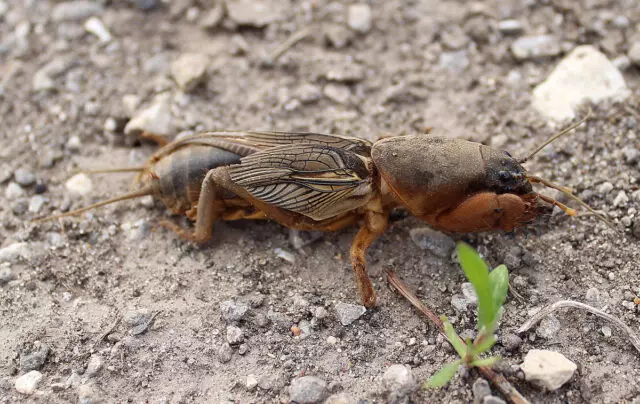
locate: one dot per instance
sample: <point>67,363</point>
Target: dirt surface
<point>65,97</point>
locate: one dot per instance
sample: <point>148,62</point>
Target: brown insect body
<point>311,181</point>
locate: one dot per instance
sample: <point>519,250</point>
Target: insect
<point>310,181</point>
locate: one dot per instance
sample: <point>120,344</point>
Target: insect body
<point>311,181</point>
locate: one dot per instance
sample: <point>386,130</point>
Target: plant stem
<point>500,383</point>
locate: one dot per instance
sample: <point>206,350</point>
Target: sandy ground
<point>65,97</point>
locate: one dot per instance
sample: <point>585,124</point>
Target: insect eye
<point>504,176</point>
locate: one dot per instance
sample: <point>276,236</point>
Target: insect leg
<point>375,224</point>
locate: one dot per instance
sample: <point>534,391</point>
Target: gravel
<point>481,389</point>
<point>547,369</point>
<point>233,311</point>
<point>438,243</point>
<point>360,18</point>
<point>24,177</point>
<point>94,366</point>
<point>156,119</point>
<point>79,185</point>
<point>535,47</point>
<point>14,191</point>
<point>34,360</point>
<point>348,313</point>
<point>6,274</point>
<point>234,335</point>
<point>634,53</point>
<point>76,10</point>
<point>190,70</point>
<point>584,75</point>
<point>548,327</point>
<point>28,382</point>
<point>398,378</point>
<point>308,390</point>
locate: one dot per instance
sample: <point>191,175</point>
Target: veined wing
<point>314,180</point>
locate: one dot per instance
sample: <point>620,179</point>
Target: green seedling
<point>491,289</point>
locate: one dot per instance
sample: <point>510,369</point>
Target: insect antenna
<point>567,192</point>
<point>137,194</point>
<point>111,170</point>
<point>555,137</point>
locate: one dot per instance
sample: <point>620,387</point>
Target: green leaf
<point>499,280</point>
<point>484,345</point>
<point>453,338</point>
<point>477,273</point>
<point>490,361</point>
<point>443,376</point>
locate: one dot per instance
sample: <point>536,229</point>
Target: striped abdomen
<point>181,173</point>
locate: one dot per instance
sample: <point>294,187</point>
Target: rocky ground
<point>107,307</point>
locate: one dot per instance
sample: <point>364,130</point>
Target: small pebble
<point>348,313</point>
<point>359,18</point>
<point>28,382</point>
<point>469,293</point>
<point>79,185</point>
<point>36,203</point>
<point>436,242</point>
<point>157,118</point>
<point>547,369</point>
<point>331,340</point>
<point>6,274</point>
<point>24,177</point>
<point>34,360</point>
<point>136,317</point>
<point>74,144</point>
<point>480,390</point>
<point>14,191</point>
<point>605,188</point>
<point>14,252</point>
<point>308,390</point>
<point>233,311</point>
<point>510,27</point>
<point>621,200</point>
<point>251,382</point>
<point>338,93</point>
<point>341,398</point>
<point>224,353</point>
<point>535,47</point>
<point>511,342</point>
<point>96,27</point>
<point>398,378</point>
<point>548,327</point>
<point>634,53</point>
<point>189,70</point>
<point>493,400</point>
<point>285,255</point>
<point>94,366</point>
<point>76,10</point>
<point>234,335</point>
<point>606,331</point>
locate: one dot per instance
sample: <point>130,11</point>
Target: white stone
<point>252,382</point>
<point>96,27</point>
<point>13,191</point>
<point>28,382</point>
<point>584,75</point>
<point>359,18</point>
<point>547,369</point>
<point>257,13</point>
<point>13,252</point>
<point>621,200</point>
<point>156,119</point>
<point>189,70</point>
<point>79,185</point>
<point>398,377</point>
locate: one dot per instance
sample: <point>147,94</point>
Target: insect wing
<point>317,181</point>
